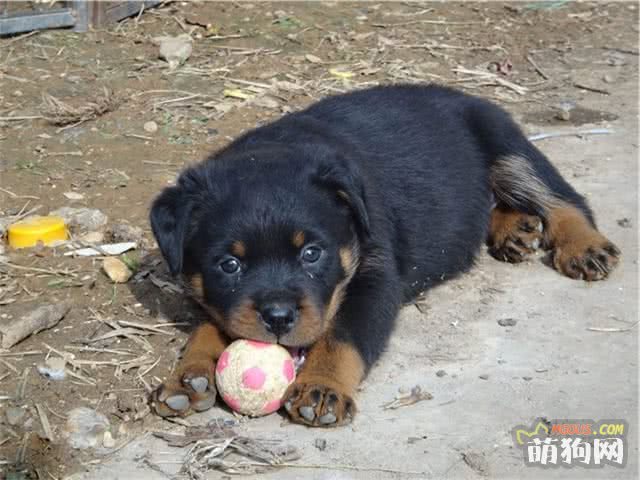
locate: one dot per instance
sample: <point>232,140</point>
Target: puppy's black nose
<point>279,317</point>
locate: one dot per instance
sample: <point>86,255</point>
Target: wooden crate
<point>100,14</point>
<point>80,14</point>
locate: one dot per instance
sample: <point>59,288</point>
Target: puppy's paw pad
<point>191,388</point>
<point>178,402</point>
<point>198,384</point>
<point>318,405</point>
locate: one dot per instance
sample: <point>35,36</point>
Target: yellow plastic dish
<point>30,231</point>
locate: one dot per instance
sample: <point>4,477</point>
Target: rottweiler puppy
<point>313,231</point>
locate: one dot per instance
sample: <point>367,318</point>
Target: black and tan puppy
<point>314,230</point>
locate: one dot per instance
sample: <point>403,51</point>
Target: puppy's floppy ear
<point>170,221</point>
<point>346,181</point>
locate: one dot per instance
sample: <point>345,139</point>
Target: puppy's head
<point>268,239</point>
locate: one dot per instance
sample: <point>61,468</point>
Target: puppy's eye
<point>311,254</point>
<point>230,265</point>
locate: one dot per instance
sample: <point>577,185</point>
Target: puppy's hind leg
<point>528,187</point>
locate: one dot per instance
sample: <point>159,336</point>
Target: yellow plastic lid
<point>30,231</point>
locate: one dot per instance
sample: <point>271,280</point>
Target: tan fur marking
<point>239,249</point>
<point>205,341</point>
<point>349,260</point>
<point>298,239</point>
<point>243,322</point>
<point>196,287</point>
<point>335,364</point>
<point>309,326</point>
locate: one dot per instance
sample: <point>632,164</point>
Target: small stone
<point>85,218</point>
<point>123,232</point>
<point>527,379</point>
<point>108,440</point>
<point>151,127</point>
<point>14,415</point>
<point>73,195</point>
<point>92,238</point>
<point>507,322</point>
<point>116,270</point>
<point>85,428</point>
<point>623,222</point>
<point>320,444</point>
<point>123,430</point>
<point>440,373</point>
<point>175,50</point>
<point>608,78</point>
<point>484,376</point>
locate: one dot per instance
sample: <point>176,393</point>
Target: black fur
<point>404,172</point>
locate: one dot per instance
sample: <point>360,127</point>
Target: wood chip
<point>44,317</point>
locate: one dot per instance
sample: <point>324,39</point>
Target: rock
<point>73,195</point>
<point>151,127</point>
<point>507,322</point>
<point>85,428</point>
<point>527,379</point>
<point>484,376</point>
<point>92,238</point>
<point>564,110</point>
<point>84,218</point>
<point>440,373</point>
<point>175,50</point>
<point>116,270</point>
<point>107,440</point>
<point>123,232</point>
<point>53,368</point>
<point>320,444</point>
<point>623,222</point>
<point>14,415</point>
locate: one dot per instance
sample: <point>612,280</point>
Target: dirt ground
<point>559,67</point>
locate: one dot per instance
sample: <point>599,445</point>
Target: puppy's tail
<point>522,178</point>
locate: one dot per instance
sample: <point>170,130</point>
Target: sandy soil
<point>551,363</point>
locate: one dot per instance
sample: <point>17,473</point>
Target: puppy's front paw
<point>318,405</point>
<point>190,388</point>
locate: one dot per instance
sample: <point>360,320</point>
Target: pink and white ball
<point>252,377</point>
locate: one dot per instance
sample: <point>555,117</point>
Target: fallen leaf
<point>341,73</point>
<point>237,93</point>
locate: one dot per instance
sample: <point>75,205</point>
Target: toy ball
<point>252,377</point>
